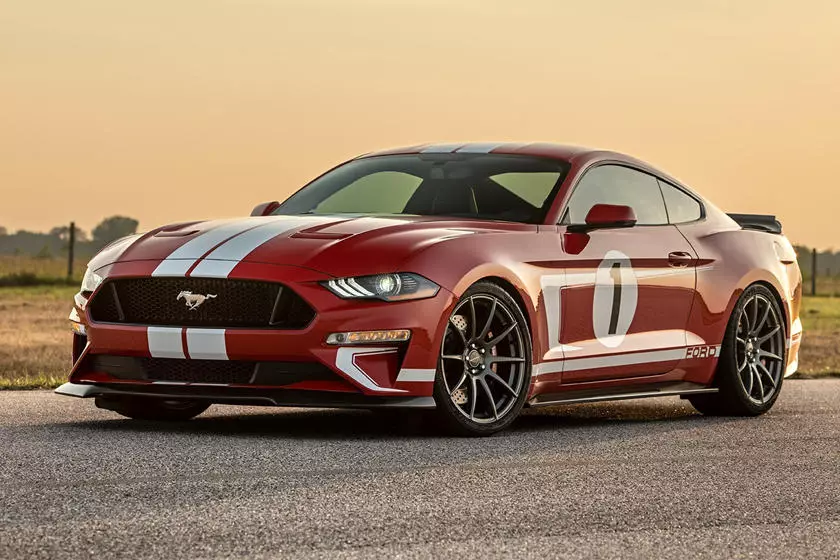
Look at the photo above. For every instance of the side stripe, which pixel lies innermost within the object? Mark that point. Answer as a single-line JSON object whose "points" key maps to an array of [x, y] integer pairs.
{"points": [[617, 360], [624, 359], [165, 342]]}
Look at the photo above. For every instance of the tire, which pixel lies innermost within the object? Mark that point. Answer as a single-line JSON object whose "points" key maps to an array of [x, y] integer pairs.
{"points": [[144, 408], [752, 361], [484, 367]]}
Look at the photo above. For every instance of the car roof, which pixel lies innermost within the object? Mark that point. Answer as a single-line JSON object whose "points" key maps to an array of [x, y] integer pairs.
{"points": [[576, 155], [541, 149]]}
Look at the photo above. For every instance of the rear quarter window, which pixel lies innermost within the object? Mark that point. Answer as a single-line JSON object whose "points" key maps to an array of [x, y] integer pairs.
{"points": [[681, 207]]}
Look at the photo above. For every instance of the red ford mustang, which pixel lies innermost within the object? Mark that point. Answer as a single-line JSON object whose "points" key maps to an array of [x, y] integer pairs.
{"points": [[473, 279]]}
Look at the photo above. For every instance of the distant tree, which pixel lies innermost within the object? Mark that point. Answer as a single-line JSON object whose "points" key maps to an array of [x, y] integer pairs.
{"points": [[63, 233], [3, 231], [113, 228]]}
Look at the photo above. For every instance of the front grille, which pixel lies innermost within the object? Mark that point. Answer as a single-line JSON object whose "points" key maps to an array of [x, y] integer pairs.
{"points": [[166, 302], [209, 371]]}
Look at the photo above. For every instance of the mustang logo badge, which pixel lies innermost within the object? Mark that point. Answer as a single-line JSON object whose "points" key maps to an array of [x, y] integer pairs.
{"points": [[192, 300]]}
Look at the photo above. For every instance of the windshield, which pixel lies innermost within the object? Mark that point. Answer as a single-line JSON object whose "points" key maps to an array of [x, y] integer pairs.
{"points": [[483, 186]]}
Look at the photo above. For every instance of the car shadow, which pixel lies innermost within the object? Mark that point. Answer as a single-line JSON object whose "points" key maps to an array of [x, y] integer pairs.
{"points": [[348, 424]]}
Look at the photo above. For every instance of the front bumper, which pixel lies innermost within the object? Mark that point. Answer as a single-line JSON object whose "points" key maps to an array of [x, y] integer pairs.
{"points": [[247, 396], [394, 371]]}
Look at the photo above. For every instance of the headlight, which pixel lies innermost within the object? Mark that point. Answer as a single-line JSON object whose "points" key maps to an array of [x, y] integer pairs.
{"points": [[90, 282], [389, 287]]}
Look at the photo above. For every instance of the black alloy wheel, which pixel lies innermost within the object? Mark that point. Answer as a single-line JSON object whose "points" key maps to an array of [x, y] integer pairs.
{"points": [[753, 358], [484, 370]]}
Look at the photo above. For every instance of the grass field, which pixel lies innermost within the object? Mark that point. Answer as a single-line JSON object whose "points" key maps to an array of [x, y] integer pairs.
{"points": [[17, 270], [35, 347], [826, 286], [820, 354], [34, 336]]}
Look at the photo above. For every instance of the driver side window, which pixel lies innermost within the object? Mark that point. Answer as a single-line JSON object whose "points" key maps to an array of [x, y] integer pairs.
{"points": [[614, 184]]}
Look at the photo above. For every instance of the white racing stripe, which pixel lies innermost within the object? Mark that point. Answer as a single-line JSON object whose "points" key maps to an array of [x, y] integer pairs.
{"points": [[206, 344], [224, 258], [202, 344], [165, 342], [441, 148], [479, 148], [422, 375], [185, 256]]}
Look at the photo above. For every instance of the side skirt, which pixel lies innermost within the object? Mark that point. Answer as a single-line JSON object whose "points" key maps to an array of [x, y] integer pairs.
{"points": [[680, 388]]}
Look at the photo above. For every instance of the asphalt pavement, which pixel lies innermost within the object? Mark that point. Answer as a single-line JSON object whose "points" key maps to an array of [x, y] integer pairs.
{"points": [[632, 479]]}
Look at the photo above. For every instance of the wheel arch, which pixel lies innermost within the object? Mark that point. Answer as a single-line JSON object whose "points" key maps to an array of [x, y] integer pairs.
{"points": [[518, 288], [768, 280], [779, 301], [508, 287], [736, 296]]}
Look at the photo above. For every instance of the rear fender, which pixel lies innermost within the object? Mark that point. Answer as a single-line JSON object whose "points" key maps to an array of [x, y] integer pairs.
{"points": [[729, 262]]}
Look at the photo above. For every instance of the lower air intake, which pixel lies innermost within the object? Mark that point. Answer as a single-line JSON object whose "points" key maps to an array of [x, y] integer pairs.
{"points": [[217, 372]]}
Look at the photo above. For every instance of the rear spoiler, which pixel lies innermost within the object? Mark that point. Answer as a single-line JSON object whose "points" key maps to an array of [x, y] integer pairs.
{"points": [[759, 222]]}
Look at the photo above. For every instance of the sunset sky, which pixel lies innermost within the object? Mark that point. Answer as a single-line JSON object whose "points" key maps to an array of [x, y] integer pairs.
{"points": [[167, 110]]}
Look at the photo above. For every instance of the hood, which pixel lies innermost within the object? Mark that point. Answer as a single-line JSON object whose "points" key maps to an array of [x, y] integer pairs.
{"points": [[334, 245]]}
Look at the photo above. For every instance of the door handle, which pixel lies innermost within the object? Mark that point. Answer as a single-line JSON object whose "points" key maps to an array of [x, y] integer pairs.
{"points": [[680, 259]]}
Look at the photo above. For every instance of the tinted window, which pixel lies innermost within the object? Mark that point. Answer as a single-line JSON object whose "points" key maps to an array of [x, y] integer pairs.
{"points": [[386, 192], [487, 186], [534, 188], [612, 184], [681, 207]]}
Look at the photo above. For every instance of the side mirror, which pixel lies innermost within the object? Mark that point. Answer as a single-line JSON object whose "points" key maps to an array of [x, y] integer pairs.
{"points": [[265, 209], [602, 216]]}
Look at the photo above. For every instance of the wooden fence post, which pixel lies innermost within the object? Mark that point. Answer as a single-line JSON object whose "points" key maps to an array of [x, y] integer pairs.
{"points": [[813, 272], [71, 246]]}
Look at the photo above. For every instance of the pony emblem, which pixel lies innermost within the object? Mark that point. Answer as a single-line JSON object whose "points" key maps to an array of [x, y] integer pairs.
{"points": [[192, 300]]}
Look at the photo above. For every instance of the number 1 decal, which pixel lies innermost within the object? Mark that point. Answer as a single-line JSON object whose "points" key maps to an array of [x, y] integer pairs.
{"points": [[615, 273], [613, 305], [616, 296]]}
